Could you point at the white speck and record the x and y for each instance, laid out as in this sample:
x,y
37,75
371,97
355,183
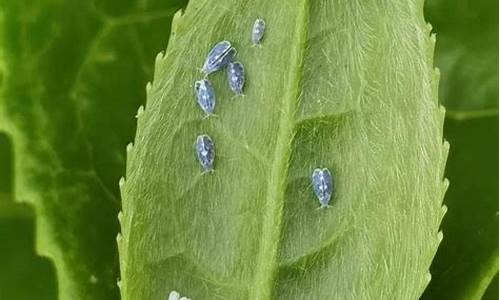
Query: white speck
x,y
236,77
322,183
93,279
258,31
174,296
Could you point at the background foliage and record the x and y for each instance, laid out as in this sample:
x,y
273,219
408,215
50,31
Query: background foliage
x,y
72,76
467,55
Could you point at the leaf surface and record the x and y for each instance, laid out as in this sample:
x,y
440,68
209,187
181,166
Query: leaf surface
x,y
347,85
73,74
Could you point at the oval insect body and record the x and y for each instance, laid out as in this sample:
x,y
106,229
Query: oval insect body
x,y
205,152
258,31
174,295
229,57
236,77
218,57
322,183
205,95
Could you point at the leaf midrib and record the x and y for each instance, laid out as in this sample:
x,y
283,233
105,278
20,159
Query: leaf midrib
x,y
267,255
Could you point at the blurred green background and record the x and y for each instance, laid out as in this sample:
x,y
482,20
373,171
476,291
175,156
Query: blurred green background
x,y
77,69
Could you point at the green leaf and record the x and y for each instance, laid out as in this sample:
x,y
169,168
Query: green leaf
x,y
492,291
73,74
24,275
6,173
467,260
21,267
467,55
345,85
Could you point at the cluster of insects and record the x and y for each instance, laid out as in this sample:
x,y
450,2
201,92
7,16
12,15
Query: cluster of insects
x,y
176,296
221,56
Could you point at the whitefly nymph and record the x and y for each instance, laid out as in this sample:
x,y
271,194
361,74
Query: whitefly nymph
x,y
205,152
205,96
236,77
322,185
258,31
176,296
220,55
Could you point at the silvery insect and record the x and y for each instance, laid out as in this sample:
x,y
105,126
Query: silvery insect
x,y
205,96
236,77
258,31
176,296
218,57
322,185
205,152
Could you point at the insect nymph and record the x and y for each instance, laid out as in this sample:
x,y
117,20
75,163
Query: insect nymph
x,y
220,55
205,96
258,31
322,185
176,296
236,77
205,152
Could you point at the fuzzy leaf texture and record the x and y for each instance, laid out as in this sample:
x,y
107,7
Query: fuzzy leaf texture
x,y
347,85
72,74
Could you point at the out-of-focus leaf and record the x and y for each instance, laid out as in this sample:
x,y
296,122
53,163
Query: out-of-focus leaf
x,y
347,85
466,54
467,259
492,291
6,169
23,274
73,75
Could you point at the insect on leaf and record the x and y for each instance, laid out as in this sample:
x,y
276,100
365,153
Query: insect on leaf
x,y
344,85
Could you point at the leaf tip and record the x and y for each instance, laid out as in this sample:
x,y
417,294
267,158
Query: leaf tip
x,y
176,20
428,277
440,237
433,37
121,182
140,111
119,243
444,210
446,183
130,147
446,150
442,112
159,57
